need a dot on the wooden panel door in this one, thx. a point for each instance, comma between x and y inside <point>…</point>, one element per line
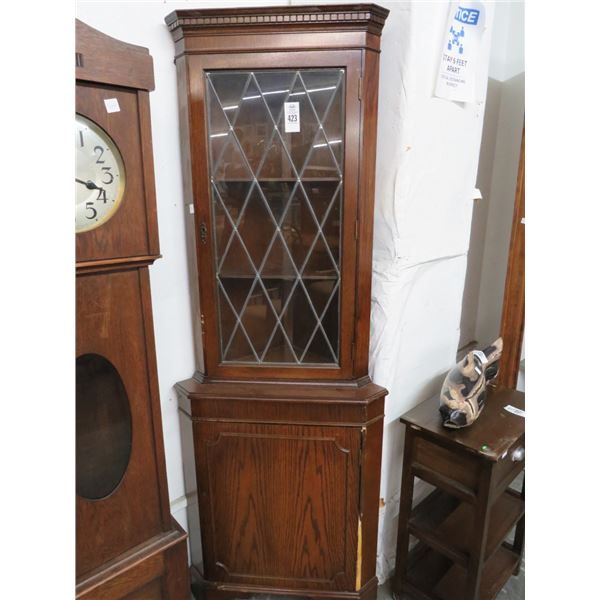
<point>278,504</point>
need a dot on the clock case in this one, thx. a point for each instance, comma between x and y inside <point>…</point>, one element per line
<point>127,543</point>
<point>287,457</point>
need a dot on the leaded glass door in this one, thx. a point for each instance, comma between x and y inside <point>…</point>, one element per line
<point>276,169</point>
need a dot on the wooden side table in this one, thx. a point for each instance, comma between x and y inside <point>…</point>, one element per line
<point>460,527</point>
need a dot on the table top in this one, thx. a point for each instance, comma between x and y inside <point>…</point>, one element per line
<point>490,436</point>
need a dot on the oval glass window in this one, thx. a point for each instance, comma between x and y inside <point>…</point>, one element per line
<point>103,429</point>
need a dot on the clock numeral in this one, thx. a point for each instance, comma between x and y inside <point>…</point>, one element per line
<point>101,196</point>
<point>81,137</point>
<point>99,160</point>
<point>107,169</point>
<point>90,206</point>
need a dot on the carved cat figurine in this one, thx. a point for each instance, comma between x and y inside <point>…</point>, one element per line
<point>464,390</point>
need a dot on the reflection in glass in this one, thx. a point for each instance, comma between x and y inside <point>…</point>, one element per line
<point>277,210</point>
<point>103,427</point>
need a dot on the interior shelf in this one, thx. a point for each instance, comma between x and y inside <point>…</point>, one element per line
<point>432,575</point>
<point>281,355</point>
<point>275,179</point>
<point>444,523</point>
<point>328,276</point>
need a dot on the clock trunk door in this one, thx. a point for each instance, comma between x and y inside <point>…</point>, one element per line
<point>277,233</point>
<point>118,499</point>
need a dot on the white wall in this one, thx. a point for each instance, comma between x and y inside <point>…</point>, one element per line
<point>427,157</point>
<point>427,162</point>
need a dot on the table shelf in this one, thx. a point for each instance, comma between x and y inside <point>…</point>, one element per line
<point>432,576</point>
<point>445,523</point>
<point>495,574</point>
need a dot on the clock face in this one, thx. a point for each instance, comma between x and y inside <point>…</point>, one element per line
<point>99,176</point>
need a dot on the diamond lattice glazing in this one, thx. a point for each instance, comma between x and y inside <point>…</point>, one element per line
<point>277,209</point>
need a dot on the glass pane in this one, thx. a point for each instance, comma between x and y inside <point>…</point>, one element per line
<point>277,210</point>
<point>103,427</point>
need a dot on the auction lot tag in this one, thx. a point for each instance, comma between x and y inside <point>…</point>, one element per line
<point>292,116</point>
<point>514,410</point>
<point>112,105</point>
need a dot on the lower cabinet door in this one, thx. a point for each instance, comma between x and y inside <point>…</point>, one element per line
<point>279,504</point>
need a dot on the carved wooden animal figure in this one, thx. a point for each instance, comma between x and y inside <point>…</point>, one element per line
<point>464,389</point>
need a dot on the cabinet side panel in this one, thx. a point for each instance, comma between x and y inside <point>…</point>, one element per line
<point>189,215</point>
<point>369,498</point>
<point>370,88</point>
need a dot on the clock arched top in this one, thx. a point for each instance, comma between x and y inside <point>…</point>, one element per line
<point>100,58</point>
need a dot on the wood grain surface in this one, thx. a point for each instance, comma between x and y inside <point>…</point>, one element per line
<point>274,496</point>
<point>127,544</point>
<point>512,326</point>
<point>496,429</point>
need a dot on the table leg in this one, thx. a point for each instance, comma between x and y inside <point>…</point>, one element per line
<point>519,542</point>
<point>479,536</point>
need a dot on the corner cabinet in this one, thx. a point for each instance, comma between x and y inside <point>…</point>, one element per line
<point>278,113</point>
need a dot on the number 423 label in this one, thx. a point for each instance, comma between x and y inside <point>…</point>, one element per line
<point>292,116</point>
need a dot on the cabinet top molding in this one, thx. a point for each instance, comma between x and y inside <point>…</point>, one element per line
<point>368,17</point>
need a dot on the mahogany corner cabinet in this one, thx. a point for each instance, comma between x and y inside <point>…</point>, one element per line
<point>278,114</point>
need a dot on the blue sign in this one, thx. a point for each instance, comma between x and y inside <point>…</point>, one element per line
<point>468,16</point>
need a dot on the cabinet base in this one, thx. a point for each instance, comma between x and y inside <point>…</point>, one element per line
<point>288,475</point>
<point>155,569</point>
<point>208,590</point>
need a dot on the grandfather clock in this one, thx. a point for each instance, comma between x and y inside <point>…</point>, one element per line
<point>278,120</point>
<point>128,545</point>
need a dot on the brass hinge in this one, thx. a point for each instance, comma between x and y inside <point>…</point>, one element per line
<point>203,232</point>
<point>202,323</point>
<point>360,86</point>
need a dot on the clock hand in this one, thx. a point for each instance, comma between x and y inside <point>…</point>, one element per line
<point>90,185</point>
